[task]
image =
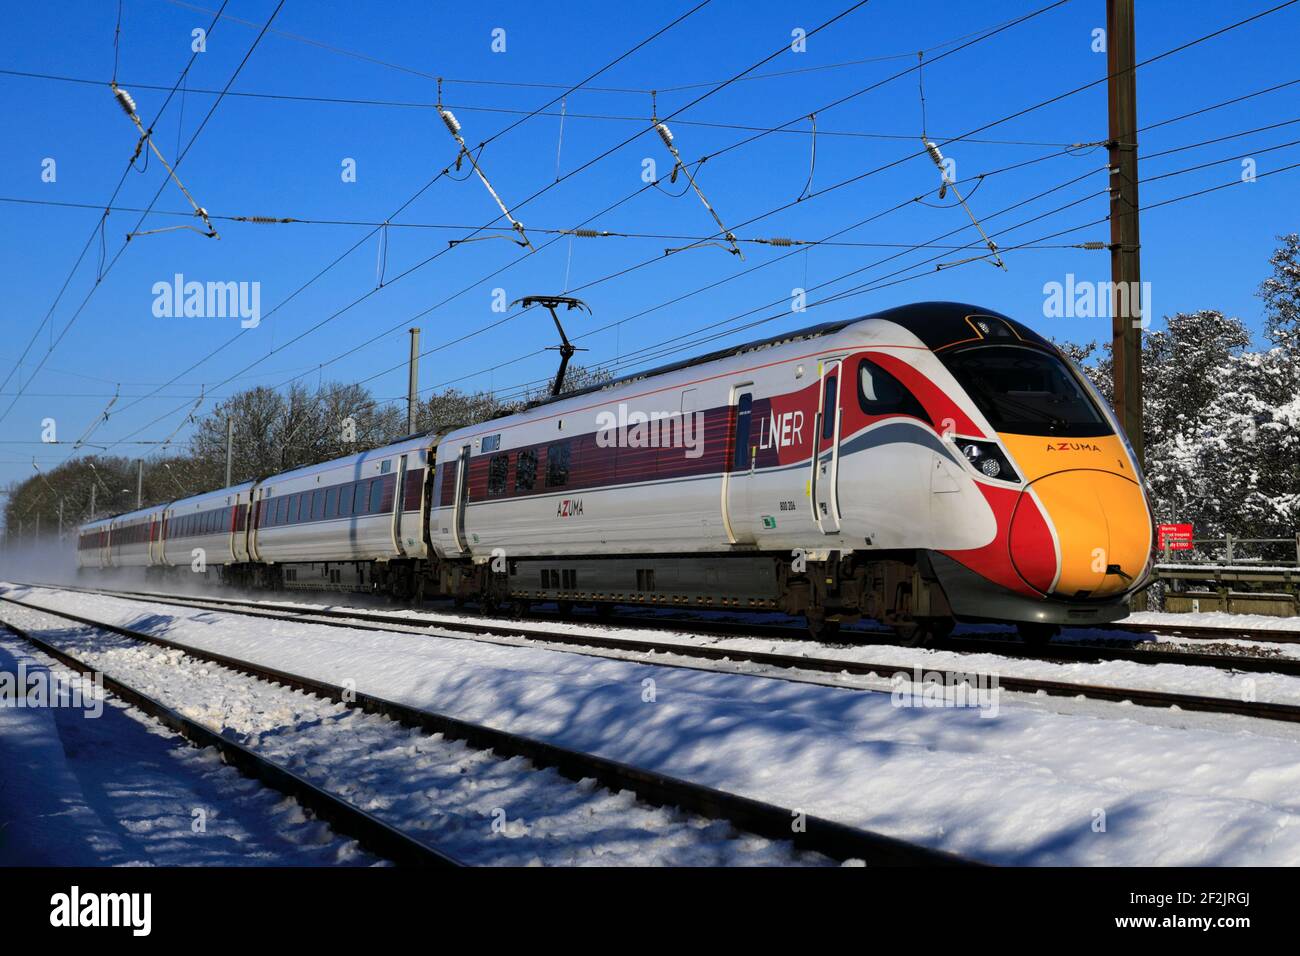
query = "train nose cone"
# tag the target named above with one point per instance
(1102, 529)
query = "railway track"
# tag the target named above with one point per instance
(502, 631)
(1274, 635)
(1006, 644)
(344, 817)
(834, 840)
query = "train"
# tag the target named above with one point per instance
(927, 464)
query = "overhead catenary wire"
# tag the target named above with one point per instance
(96, 230)
(230, 341)
(855, 178)
(834, 19)
(657, 351)
(980, 38)
(179, 159)
(519, 84)
(614, 275)
(567, 114)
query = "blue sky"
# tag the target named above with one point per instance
(277, 157)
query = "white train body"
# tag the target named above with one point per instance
(928, 463)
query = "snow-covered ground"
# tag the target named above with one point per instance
(476, 806)
(121, 790)
(1216, 619)
(1177, 678)
(1045, 781)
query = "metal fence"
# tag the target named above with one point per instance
(1244, 552)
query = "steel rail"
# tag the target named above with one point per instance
(805, 832)
(344, 817)
(364, 620)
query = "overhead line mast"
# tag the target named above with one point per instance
(1125, 250)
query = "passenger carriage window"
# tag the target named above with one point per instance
(318, 504)
(557, 465)
(525, 470)
(345, 500)
(744, 415)
(879, 393)
(376, 496)
(282, 511)
(830, 406)
(498, 468)
(359, 498)
(295, 504)
(331, 501)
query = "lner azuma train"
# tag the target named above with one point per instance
(926, 464)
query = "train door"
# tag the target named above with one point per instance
(241, 526)
(399, 503)
(824, 490)
(738, 474)
(256, 497)
(462, 496)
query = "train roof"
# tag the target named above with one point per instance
(937, 324)
(419, 440)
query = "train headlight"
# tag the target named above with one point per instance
(988, 458)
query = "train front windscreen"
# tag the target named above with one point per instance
(1024, 391)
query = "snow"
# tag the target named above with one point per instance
(1032, 785)
(1216, 619)
(1131, 675)
(120, 790)
(470, 803)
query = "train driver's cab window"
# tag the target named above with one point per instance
(557, 465)
(526, 470)
(1025, 391)
(879, 393)
(498, 468)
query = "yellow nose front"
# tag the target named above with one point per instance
(1102, 530)
(1090, 496)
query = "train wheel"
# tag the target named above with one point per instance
(821, 628)
(519, 608)
(604, 611)
(565, 608)
(926, 631)
(1037, 635)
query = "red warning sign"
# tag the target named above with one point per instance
(1174, 537)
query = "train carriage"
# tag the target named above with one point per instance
(328, 525)
(931, 462)
(926, 464)
(92, 545)
(207, 529)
